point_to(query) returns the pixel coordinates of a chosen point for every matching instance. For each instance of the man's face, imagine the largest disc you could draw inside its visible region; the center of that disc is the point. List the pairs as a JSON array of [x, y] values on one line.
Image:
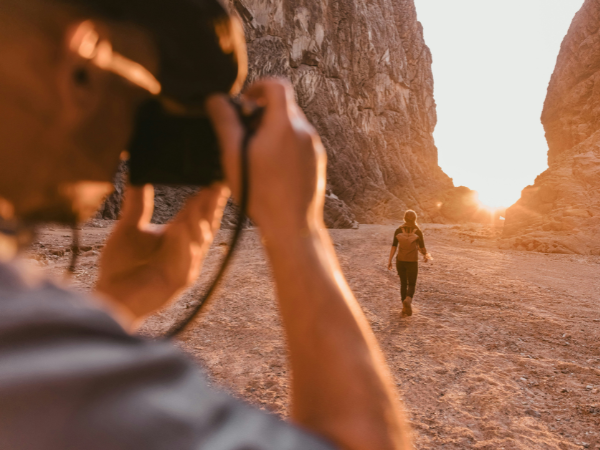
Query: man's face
[[63, 120]]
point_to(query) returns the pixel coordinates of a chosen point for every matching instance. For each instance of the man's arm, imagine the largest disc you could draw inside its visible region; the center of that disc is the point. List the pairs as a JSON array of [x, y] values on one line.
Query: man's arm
[[392, 253], [341, 386]]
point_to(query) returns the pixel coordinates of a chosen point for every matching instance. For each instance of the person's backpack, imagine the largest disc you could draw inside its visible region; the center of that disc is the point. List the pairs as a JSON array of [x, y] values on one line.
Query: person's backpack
[[408, 246]]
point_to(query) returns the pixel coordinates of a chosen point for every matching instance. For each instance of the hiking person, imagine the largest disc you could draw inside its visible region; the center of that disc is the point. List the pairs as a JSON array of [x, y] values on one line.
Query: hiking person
[[408, 241], [72, 376]]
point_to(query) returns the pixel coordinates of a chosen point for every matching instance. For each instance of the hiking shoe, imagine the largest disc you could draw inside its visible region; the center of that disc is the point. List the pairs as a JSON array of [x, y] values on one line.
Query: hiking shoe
[[407, 307]]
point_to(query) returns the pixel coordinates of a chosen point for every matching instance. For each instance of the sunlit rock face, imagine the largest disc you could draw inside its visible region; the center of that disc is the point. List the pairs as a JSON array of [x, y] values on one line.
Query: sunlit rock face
[[362, 74], [560, 213]]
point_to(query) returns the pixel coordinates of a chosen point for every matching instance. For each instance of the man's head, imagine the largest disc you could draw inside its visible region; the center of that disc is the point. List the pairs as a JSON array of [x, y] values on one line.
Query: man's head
[[66, 111]]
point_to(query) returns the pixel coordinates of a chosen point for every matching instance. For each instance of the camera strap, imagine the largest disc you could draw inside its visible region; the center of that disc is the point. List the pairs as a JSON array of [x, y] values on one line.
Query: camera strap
[[244, 196], [74, 250]]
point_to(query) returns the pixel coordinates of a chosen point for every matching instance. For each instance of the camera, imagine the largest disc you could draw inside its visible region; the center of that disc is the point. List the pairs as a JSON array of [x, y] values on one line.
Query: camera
[[179, 150]]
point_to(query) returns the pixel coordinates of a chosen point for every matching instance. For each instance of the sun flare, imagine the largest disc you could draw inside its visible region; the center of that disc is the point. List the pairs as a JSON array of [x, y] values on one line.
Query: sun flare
[[498, 196]]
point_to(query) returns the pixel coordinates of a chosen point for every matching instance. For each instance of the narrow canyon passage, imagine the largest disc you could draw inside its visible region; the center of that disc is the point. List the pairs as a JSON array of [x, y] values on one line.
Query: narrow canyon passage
[[503, 350]]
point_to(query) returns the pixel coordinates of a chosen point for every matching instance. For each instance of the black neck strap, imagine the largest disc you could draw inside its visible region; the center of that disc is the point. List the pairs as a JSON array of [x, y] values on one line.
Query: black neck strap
[[244, 196]]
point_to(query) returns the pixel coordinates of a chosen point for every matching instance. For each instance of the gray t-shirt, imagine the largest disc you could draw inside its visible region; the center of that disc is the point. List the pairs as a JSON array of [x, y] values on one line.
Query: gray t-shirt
[[72, 379]]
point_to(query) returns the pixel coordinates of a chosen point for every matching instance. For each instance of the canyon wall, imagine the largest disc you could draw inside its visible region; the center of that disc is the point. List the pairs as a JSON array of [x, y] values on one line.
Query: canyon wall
[[362, 75], [561, 212]]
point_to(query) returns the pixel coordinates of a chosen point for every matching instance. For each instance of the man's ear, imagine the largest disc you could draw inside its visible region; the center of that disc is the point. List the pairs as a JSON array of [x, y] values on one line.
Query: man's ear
[[81, 83]]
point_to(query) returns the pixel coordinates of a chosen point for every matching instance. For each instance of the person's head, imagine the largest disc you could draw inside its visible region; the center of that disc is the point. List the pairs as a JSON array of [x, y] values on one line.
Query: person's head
[[72, 75], [410, 218]]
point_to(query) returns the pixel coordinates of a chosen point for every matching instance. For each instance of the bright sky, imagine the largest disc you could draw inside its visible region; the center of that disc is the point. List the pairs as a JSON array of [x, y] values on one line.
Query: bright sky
[[492, 61]]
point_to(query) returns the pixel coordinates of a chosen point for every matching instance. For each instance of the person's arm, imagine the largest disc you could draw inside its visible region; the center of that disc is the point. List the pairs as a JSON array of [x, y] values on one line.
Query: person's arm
[[341, 386], [421, 243], [392, 253]]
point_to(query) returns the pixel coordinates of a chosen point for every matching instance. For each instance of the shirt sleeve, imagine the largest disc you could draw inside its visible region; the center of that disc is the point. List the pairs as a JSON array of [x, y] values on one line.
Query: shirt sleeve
[[395, 241], [72, 379], [421, 238]]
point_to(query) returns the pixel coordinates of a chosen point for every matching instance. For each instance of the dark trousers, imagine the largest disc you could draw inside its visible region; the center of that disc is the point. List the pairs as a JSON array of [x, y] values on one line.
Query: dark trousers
[[408, 272]]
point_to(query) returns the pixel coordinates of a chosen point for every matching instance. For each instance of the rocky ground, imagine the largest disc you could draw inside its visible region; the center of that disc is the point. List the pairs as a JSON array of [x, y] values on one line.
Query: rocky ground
[[503, 351]]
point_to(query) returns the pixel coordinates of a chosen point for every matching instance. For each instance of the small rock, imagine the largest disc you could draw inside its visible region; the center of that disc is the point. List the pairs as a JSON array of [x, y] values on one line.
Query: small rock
[[589, 387]]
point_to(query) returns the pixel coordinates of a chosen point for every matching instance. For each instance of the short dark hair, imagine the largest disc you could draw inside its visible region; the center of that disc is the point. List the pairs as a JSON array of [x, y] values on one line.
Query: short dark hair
[[201, 47]]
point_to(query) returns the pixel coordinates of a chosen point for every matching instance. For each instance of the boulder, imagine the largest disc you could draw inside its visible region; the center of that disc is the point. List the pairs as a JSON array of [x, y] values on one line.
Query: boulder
[[337, 214]]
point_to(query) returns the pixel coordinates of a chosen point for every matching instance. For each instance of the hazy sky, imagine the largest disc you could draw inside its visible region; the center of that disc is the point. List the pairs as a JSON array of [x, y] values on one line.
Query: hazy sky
[[492, 61]]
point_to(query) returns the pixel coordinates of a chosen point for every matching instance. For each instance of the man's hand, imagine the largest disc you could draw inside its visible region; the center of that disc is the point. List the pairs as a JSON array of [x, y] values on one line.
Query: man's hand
[[390, 265], [287, 160], [141, 269]]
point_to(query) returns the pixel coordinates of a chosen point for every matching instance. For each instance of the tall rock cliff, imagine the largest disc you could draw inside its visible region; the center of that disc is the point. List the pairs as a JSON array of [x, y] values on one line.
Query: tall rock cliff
[[561, 211], [362, 75]]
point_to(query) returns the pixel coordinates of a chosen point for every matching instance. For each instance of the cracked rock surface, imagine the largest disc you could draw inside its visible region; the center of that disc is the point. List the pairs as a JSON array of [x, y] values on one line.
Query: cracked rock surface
[[362, 74]]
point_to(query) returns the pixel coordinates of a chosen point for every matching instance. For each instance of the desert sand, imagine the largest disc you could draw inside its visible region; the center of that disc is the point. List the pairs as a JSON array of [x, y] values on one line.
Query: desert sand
[[502, 352]]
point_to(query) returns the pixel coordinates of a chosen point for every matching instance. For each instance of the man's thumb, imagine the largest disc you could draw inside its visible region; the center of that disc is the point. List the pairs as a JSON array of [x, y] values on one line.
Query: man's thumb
[[138, 205]]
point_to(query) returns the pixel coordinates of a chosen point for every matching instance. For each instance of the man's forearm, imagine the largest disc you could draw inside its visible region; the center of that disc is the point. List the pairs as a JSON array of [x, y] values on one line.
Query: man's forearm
[[341, 386]]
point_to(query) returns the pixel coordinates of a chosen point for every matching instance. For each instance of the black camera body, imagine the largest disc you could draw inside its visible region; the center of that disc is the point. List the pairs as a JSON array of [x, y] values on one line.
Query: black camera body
[[178, 150]]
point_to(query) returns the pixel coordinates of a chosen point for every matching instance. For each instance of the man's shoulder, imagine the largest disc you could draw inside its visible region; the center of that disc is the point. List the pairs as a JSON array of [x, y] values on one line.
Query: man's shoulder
[[62, 353], [28, 300]]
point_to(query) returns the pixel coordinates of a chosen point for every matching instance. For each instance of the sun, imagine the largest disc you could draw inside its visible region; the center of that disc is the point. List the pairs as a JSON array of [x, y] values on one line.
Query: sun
[[490, 209], [496, 197]]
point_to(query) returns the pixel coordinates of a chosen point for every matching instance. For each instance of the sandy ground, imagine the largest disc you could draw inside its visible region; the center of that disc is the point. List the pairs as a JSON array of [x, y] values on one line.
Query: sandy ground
[[503, 351]]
